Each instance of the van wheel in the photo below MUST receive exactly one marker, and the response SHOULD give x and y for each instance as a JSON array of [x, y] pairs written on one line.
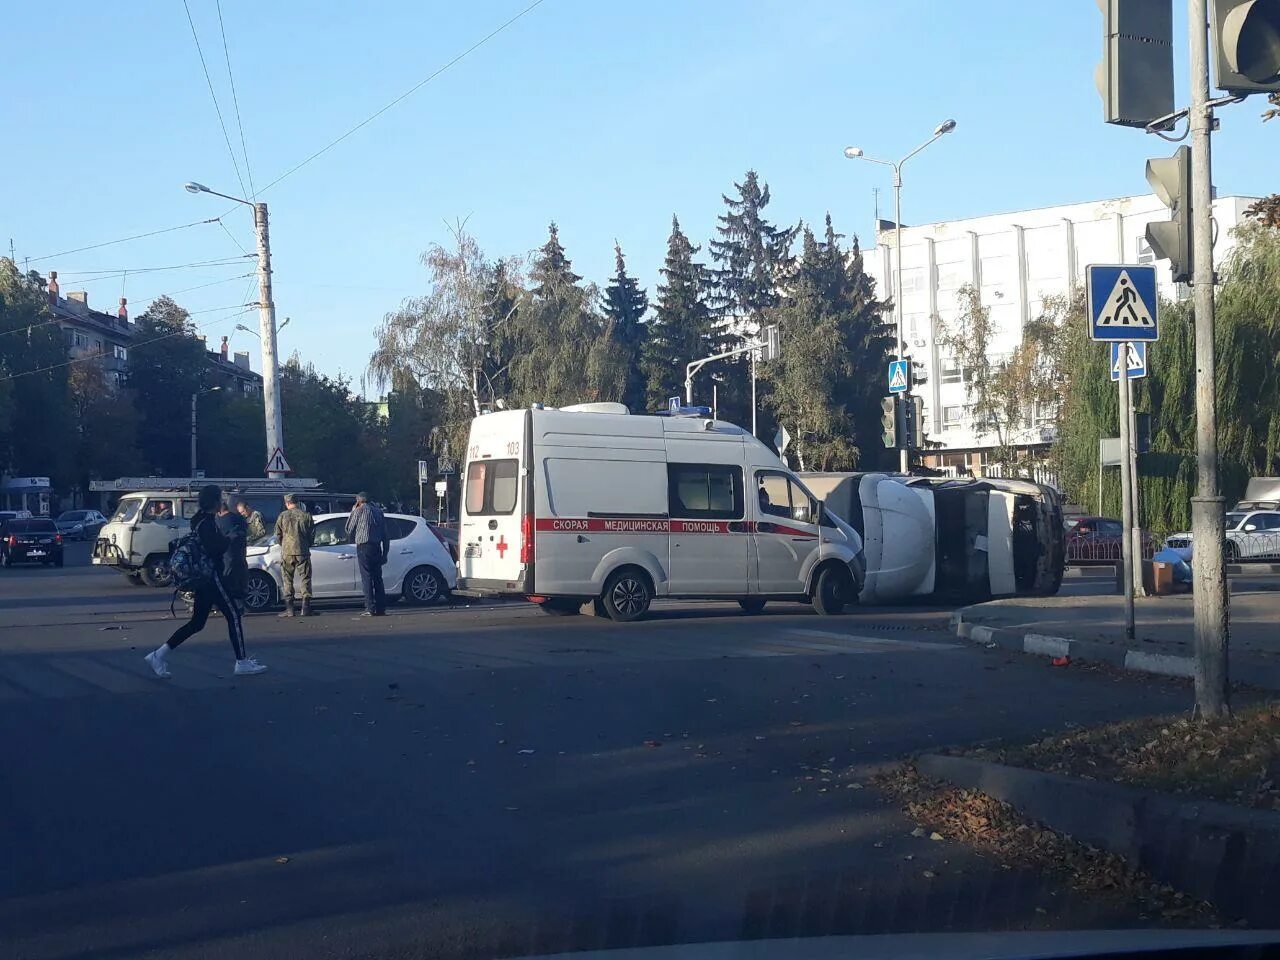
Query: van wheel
[[259, 592], [423, 586], [155, 572], [751, 606], [561, 607], [833, 590], [626, 595]]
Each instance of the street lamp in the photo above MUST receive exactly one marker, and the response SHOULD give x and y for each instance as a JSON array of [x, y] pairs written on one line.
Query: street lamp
[[194, 397], [266, 324], [855, 153]]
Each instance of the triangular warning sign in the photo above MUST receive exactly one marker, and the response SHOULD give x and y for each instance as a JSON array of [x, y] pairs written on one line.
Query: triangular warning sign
[[278, 464], [1124, 306], [898, 377]]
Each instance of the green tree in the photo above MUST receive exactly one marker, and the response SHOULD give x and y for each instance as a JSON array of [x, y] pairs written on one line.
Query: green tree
[[825, 385], [35, 403], [167, 364], [683, 328], [232, 435], [562, 350], [328, 429], [754, 262], [625, 304], [106, 426]]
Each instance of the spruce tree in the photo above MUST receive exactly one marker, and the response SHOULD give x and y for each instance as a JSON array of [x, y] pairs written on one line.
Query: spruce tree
[[683, 328], [754, 263], [562, 351], [625, 305]]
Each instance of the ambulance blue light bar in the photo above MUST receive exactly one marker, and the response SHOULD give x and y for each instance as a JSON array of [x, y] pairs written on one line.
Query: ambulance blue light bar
[[703, 412]]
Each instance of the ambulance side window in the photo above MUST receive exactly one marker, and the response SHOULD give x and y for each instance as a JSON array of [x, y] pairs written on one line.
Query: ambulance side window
[[704, 491], [492, 487]]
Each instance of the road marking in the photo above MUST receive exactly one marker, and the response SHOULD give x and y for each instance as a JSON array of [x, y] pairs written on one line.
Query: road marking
[[887, 642]]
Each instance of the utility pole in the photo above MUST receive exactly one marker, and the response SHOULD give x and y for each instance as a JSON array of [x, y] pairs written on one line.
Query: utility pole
[[267, 333], [193, 433], [1209, 596], [1135, 532], [1126, 493]]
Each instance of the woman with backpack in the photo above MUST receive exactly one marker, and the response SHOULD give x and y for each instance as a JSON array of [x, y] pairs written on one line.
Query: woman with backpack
[[202, 565]]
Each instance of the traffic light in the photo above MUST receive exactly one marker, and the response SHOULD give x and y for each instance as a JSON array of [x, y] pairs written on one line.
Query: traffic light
[[1135, 77], [1170, 178], [889, 421], [1246, 45], [917, 423]]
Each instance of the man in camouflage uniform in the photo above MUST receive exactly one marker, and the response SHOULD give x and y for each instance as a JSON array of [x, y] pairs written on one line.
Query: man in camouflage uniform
[[294, 532], [257, 528]]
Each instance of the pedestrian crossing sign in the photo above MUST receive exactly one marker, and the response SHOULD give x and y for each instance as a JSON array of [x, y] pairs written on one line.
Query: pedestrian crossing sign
[[1137, 360], [899, 376], [1122, 302]]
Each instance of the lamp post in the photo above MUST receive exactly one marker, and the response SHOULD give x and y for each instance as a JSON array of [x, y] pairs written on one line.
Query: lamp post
[[194, 397], [855, 153], [266, 324]]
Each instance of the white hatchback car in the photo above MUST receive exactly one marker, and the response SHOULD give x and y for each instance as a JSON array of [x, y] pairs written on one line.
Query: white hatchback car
[[419, 568]]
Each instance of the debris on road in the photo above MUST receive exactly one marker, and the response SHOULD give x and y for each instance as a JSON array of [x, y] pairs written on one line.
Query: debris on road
[[653, 743], [1060, 662], [995, 828], [525, 752]]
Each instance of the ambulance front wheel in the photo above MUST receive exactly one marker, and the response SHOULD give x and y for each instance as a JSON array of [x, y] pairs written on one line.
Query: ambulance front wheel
[[833, 591], [627, 594]]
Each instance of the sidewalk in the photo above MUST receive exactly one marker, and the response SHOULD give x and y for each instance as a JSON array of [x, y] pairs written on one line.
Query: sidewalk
[[1092, 628]]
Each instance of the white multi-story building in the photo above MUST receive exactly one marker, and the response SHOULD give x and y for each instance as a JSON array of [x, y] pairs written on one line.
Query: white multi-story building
[[1014, 261]]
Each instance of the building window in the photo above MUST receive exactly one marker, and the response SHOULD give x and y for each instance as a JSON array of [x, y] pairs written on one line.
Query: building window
[[119, 352], [912, 280], [1044, 414], [952, 276], [81, 340], [1145, 253], [952, 416], [97, 346], [951, 372]]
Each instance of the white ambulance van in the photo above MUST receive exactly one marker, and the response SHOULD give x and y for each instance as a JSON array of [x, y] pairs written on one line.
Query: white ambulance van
[[590, 503]]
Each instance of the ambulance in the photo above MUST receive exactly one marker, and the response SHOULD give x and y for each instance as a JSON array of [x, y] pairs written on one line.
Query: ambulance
[[589, 503]]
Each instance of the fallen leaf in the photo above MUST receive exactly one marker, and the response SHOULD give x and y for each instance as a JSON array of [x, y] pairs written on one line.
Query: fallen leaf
[[918, 832], [282, 859], [935, 836], [929, 874]]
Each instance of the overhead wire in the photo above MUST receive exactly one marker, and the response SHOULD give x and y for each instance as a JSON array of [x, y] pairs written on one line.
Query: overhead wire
[[141, 343], [209, 80], [137, 303], [136, 236], [414, 89], [220, 262], [235, 100]]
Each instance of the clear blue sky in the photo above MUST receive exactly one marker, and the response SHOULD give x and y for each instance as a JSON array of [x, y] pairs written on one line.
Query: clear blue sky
[[605, 117]]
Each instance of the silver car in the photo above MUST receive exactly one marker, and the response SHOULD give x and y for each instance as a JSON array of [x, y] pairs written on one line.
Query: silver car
[[1250, 535], [80, 524]]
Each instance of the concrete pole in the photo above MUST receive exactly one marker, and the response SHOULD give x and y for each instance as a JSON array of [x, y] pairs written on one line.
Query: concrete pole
[[267, 334], [1135, 534], [193, 434], [753, 394], [1126, 496], [1209, 596], [904, 443]]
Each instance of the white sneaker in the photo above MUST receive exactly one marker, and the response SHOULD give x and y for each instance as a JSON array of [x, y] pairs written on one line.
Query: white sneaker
[[158, 665], [248, 667]]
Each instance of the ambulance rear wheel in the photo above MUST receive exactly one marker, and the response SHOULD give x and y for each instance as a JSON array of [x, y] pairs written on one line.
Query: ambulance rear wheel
[[751, 605], [627, 595], [561, 607], [833, 590]]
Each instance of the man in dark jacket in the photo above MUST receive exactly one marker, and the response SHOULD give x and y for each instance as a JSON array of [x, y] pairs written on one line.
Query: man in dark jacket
[[367, 529], [209, 594], [235, 563]]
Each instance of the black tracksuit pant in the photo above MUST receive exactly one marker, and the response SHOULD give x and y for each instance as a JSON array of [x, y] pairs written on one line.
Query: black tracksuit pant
[[210, 595]]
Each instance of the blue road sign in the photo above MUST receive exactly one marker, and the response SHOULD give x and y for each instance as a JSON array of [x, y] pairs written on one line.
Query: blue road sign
[[1137, 360], [899, 376], [1122, 302], [673, 404]]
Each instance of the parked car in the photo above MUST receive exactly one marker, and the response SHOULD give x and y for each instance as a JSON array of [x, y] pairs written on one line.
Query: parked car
[[80, 524], [14, 515], [1099, 540], [419, 569], [447, 536], [30, 541], [1250, 535]]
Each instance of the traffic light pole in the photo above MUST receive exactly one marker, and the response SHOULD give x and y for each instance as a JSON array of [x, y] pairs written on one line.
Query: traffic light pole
[[1209, 595], [1126, 493]]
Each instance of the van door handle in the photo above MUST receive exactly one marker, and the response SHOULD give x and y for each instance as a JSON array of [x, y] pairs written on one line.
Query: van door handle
[[405, 553], [582, 539], [765, 526]]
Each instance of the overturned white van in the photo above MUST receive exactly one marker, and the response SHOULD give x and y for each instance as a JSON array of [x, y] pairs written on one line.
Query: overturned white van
[[956, 539], [590, 503]]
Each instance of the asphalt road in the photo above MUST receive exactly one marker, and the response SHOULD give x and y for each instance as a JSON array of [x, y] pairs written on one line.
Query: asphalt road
[[490, 781]]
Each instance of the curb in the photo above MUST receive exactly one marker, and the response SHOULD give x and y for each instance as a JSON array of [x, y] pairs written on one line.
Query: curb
[[1215, 851], [1095, 651]]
